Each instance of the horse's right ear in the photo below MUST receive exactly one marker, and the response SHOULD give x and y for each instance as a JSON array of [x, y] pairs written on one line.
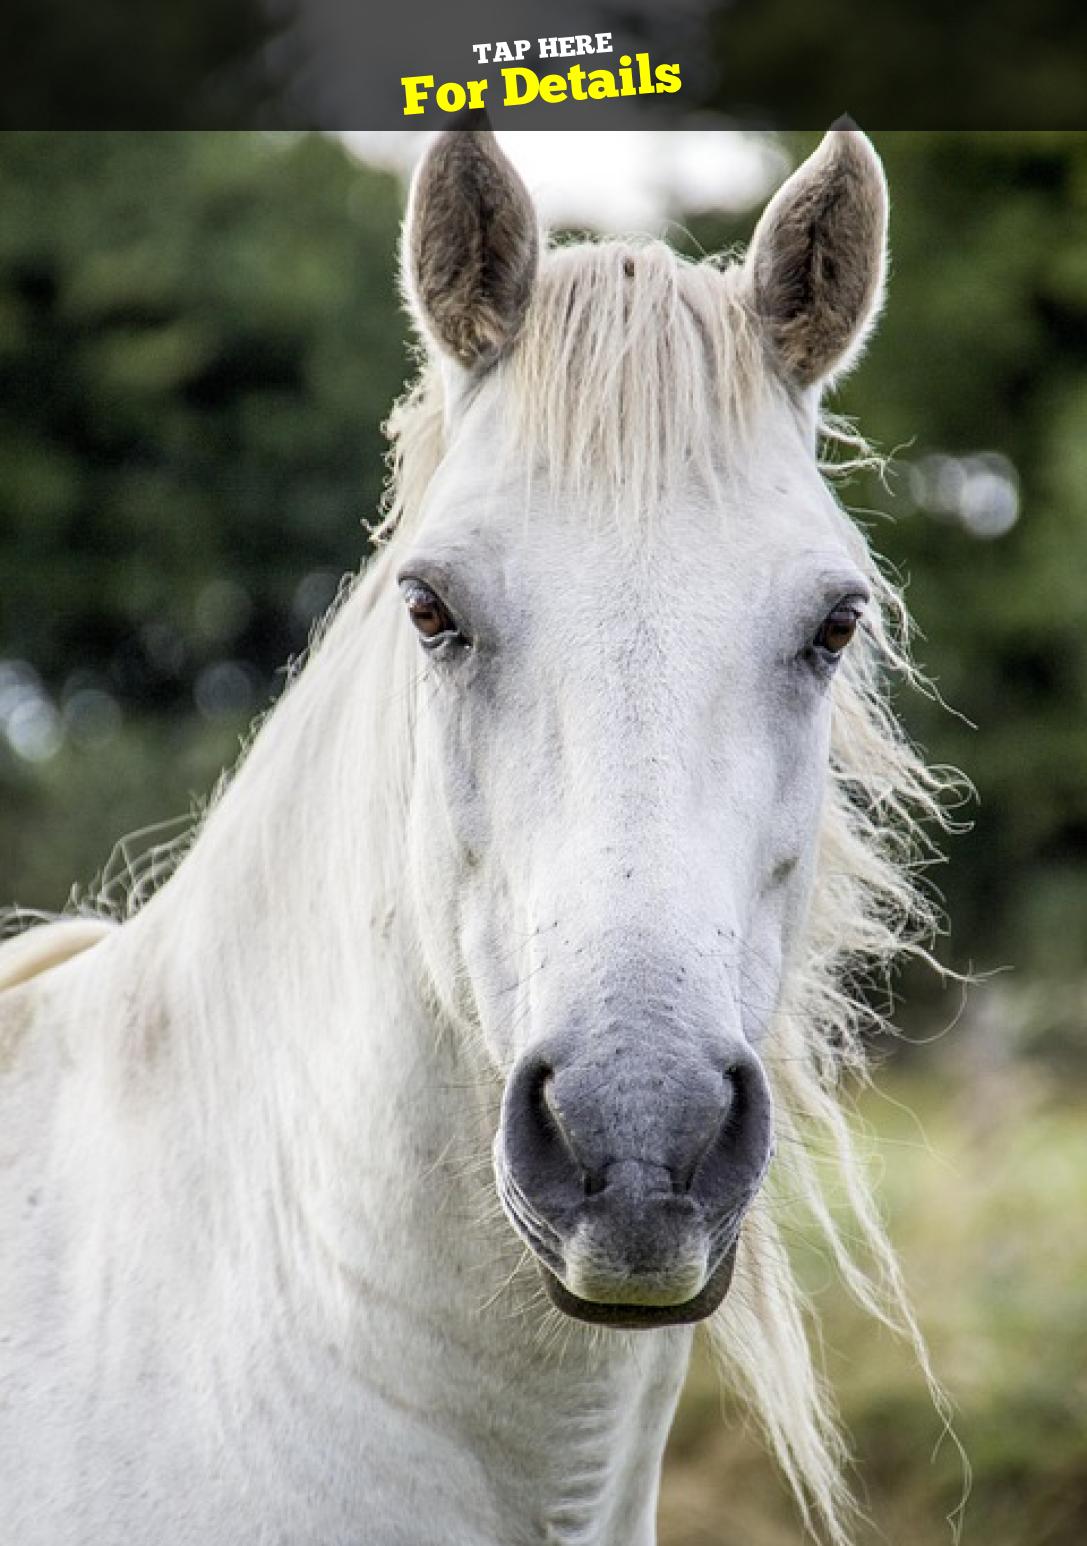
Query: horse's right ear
[[818, 259], [471, 247]]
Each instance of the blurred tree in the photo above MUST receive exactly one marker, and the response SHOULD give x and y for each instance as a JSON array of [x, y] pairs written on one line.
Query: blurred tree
[[199, 339]]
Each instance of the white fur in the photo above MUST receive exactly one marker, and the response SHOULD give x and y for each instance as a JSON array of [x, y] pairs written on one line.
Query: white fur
[[258, 1288], [40, 950]]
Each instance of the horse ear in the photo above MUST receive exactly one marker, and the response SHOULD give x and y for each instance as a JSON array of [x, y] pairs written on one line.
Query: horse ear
[[471, 247], [818, 259]]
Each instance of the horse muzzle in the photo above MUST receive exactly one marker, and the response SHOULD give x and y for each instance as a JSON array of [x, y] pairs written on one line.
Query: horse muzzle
[[629, 1178]]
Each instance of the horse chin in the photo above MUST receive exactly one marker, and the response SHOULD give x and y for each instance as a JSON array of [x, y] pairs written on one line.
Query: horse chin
[[639, 1317]]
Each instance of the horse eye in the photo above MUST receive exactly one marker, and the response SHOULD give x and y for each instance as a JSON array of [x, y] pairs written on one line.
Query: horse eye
[[836, 629], [427, 611]]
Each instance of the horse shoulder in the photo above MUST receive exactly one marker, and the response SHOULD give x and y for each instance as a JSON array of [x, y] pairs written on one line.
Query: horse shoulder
[[40, 949], [26, 959]]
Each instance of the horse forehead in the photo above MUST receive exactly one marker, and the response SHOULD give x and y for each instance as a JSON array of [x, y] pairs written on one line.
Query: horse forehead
[[541, 532], [530, 542], [685, 566]]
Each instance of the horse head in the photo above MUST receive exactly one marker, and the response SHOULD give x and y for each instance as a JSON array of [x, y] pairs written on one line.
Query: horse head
[[633, 593]]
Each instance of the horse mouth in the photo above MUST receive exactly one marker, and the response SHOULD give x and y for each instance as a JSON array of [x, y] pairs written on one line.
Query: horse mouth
[[638, 1317]]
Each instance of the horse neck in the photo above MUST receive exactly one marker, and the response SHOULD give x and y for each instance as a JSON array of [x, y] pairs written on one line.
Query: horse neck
[[364, 1134]]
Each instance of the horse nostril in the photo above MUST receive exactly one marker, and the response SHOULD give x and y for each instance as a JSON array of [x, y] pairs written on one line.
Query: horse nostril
[[718, 1112], [535, 1138], [737, 1156]]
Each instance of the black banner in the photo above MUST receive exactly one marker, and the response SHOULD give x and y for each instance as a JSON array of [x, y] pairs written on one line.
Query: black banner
[[607, 64]]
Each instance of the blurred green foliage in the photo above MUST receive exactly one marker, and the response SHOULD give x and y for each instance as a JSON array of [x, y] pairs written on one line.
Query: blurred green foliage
[[198, 342], [199, 339]]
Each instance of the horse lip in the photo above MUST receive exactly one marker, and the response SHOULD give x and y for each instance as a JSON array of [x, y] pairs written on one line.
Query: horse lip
[[635, 1317]]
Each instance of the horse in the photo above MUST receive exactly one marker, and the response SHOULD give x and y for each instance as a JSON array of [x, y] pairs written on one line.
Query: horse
[[367, 1183]]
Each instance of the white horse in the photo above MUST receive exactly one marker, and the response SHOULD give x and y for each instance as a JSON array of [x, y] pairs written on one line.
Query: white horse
[[365, 1185]]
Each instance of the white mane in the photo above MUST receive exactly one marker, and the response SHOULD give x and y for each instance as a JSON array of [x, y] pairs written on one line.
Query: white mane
[[629, 362]]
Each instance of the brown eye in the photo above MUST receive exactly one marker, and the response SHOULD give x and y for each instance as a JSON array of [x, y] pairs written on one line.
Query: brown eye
[[836, 630], [428, 612]]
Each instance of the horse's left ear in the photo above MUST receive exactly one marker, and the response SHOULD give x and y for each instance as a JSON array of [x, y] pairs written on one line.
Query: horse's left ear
[[471, 247], [818, 259]]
